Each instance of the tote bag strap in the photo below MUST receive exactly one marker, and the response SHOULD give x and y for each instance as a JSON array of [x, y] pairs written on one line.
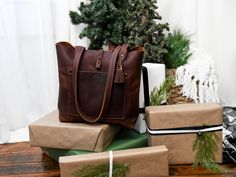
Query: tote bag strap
[[108, 87]]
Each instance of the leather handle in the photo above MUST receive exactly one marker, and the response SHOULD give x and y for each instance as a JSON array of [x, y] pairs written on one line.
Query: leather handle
[[108, 87]]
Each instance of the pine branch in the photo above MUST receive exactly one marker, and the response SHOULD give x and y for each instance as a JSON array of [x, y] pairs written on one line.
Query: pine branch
[[158, 95], [206, 150], [102, 170], [178, 49]]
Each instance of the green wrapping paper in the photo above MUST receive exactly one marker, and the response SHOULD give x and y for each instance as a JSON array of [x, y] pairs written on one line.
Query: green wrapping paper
[[126, 139]]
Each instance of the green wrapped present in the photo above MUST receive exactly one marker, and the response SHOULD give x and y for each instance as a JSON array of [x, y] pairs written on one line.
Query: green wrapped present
[[126, 139]]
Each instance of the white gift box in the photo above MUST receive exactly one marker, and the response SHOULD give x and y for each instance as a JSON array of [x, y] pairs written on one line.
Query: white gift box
[[156, 76]]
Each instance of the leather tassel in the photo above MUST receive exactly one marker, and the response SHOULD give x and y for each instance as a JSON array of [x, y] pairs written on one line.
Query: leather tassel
[[119, 77]]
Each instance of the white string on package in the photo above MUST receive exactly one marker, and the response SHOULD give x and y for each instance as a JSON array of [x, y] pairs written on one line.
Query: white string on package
[[110, 163]]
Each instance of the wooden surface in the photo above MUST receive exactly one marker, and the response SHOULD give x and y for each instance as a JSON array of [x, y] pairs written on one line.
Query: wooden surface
[[21, 160]]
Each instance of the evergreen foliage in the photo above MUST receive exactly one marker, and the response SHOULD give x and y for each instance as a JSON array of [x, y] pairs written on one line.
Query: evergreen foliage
[[178, 49], [158, 95], [105, 21], [123, 21], [206, 149], [102, 170], [145, 31]]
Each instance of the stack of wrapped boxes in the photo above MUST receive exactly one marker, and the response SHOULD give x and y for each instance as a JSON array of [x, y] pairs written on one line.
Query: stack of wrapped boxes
[[81, 146], [78, 144]]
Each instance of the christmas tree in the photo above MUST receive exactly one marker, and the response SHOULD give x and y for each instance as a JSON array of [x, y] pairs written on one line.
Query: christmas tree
[[145, 31], [123, 21], [105, 21]]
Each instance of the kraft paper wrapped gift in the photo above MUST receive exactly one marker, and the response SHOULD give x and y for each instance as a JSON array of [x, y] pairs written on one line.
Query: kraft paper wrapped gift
[[164, 121], [142, 162], [156, 76], [50, 132], [126, 139]]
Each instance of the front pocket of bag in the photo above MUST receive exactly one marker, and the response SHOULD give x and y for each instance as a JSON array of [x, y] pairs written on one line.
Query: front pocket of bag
[[90, 91], [91, 87]]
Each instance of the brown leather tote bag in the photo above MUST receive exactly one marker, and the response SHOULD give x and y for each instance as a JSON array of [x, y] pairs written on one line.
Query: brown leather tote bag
[[98, 86]]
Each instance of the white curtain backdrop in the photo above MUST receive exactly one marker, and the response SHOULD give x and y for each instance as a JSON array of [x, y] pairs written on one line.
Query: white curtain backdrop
[[28, 65]]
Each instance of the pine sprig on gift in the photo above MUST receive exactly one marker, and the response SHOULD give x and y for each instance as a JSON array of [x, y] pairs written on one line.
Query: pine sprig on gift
[[206, 148], [102, 170], [158, 95]]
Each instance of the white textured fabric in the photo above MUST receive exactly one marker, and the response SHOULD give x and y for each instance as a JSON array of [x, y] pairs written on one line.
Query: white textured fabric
[[199, 78]]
